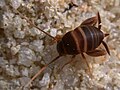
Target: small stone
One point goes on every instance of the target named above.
(15, 50)
(13, 84)
(19, 34)
(8, 18)
(59, 85)
(26, 56)
(24, 80)
(3, 85)
(25, 72)
(18, 22)
(45, 80)
(24, 43)
(53, 32)
(33, 31)
(11, 43)
(16, 3)
(37, 45)
(3, 62)
(12, 71)
(2, 3)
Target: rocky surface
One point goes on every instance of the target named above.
(24, 49)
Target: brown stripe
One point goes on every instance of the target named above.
(88, 36)
(73, 34)
(92, 37)
(90, 21)
(80, 39)
(97, 37)
(84, 37)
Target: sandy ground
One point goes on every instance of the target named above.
(24, 49)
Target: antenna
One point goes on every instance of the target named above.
(22, 16)
(41, 70)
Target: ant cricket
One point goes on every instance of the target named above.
(85, 38)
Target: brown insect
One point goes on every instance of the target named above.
(84, 39)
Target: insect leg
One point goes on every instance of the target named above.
(32, 24)
(87, 64)
(41, 70)
(96, 52)
(106, 47)
(90, 21)
(68, 62)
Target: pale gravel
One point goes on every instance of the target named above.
(24, 49)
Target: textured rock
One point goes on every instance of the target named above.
(25, 49)
(26, 56)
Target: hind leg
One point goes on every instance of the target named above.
(106, 47)
(90, 21)
(90, 72)
(72, 59)
(96, 52)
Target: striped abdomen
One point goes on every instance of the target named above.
(82, 39)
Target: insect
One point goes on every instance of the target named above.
(84, 39)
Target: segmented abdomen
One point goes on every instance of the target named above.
(82, 39)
